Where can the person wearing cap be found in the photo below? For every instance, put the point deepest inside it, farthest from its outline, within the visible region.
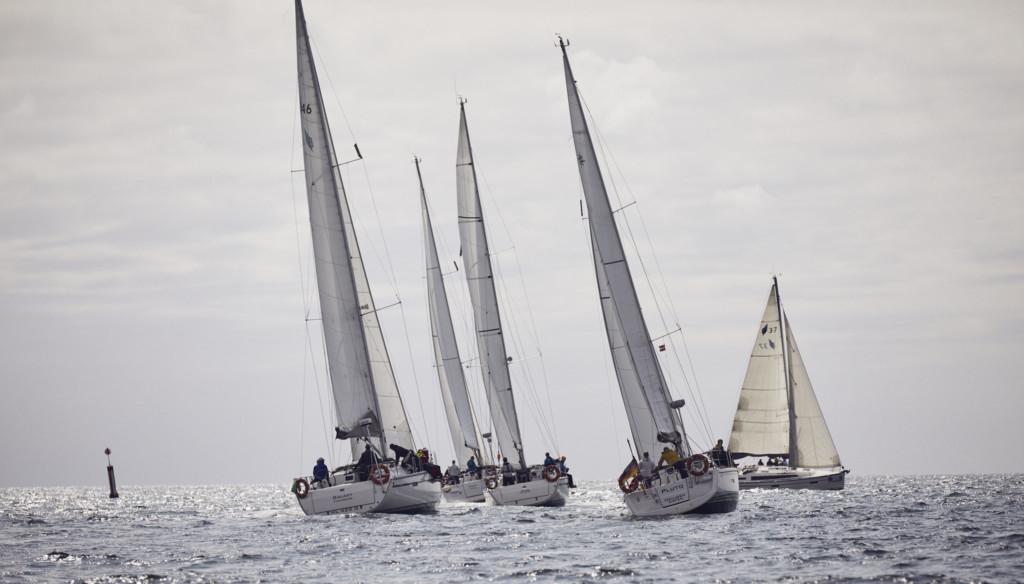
(320, 471)
(364, 464)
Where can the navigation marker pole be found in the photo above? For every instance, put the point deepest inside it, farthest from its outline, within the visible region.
(110, 476)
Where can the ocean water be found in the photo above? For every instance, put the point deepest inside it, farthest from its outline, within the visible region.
(965, 528)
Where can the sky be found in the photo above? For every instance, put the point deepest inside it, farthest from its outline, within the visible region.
(155, 294)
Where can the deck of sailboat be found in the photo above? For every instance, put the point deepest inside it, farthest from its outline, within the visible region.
(781, 477)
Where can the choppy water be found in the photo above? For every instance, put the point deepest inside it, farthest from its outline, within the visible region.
(880, 529)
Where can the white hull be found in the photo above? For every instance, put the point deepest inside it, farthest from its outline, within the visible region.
(467, 491)
(776, 477)
(538, 492)
(716, 492)
(402, 493)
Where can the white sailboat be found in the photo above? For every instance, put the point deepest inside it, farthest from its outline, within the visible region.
(367, 404)
(778, 414)
(536, 485)
(466, 438)
(653, 416)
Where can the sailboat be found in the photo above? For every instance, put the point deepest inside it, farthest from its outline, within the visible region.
(469, 486)
(654, 419)
(536, 485)
(778, 414)
(367, 403)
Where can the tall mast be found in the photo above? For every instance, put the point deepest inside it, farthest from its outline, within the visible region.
(486, 315)
(652, 415)
(787, 366)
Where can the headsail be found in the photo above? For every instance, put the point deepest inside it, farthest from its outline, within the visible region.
(480, 279)
(641, 380)
(454, 393)
(365, 391)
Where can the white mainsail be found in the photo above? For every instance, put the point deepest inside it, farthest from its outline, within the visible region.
(644, 391)
(480, 279)
(365, 392)
(778, 413)
(454, 393)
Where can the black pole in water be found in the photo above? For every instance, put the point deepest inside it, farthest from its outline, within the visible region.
(110, 476)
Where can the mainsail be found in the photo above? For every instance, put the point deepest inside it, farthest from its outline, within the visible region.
(365, 392)
(454, 393)
(480, 279)
(778, 413)
(644, 391)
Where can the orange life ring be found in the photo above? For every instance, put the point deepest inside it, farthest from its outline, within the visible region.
(380, 474)
(301, 488)
(698, 465)
(628, 486)
(551, 473)
(491, 483)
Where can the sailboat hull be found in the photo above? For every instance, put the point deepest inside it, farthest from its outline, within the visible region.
(716, 492)
(403, 493)
(535, 493)
(467, 491)
(768, 477)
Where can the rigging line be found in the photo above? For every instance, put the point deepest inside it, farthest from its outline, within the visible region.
(415, 379)
(585, 224)
(532, 333)
(392, 280)
(543, 422)
(319, 391)
(643, 264)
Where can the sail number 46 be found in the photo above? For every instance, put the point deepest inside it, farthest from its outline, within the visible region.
(305, 108)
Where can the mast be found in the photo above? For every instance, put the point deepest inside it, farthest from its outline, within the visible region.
(787, 364)
(454, 393)
(365, 392)
(480, 280)
(652, 415)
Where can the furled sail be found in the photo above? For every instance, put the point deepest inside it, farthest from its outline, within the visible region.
(480, 279)
(454, 393)
(636, 363)
(365, 391)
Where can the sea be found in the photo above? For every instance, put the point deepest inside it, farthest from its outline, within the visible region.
(961, 528)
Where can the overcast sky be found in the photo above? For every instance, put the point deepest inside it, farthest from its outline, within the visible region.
(154, 282)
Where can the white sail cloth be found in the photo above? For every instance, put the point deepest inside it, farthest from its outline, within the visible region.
(454, 393)
(765, 423)
(365, 392)
(480, 279)
(644, 391)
